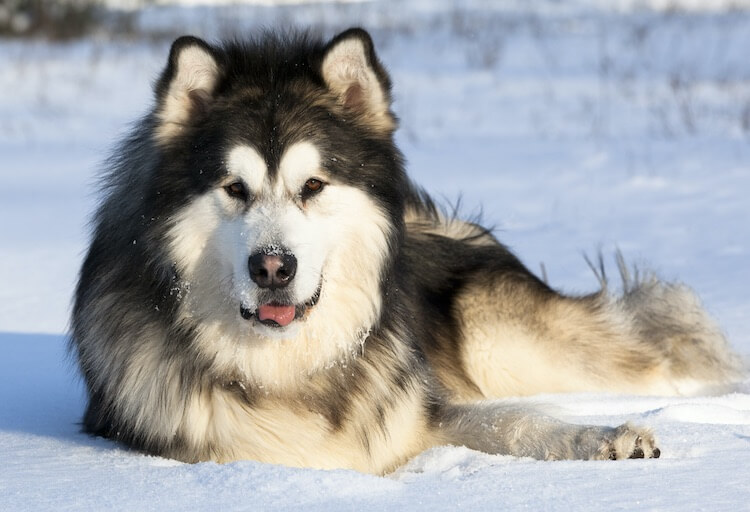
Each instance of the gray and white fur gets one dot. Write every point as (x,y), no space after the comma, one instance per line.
(264,282)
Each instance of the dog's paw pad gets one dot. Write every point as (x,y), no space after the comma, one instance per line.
(631,442)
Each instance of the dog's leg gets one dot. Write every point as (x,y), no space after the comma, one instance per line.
(523,432)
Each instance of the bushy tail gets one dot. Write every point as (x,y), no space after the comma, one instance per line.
(671,318)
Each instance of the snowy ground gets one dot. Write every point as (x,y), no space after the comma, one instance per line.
(576,128)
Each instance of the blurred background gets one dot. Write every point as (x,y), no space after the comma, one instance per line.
(573,126)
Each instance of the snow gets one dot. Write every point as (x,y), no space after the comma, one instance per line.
(576,127)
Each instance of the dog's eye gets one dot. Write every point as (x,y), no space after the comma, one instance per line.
(312,187)
(237,190)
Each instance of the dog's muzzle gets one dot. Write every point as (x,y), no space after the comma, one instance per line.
(272,270)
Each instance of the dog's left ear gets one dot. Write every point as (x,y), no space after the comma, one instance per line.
(352,71)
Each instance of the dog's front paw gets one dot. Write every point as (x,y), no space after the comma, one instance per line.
(629,442)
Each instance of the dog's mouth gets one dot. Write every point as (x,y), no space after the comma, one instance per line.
(276,314)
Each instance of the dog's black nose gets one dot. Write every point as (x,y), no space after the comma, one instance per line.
(272,270)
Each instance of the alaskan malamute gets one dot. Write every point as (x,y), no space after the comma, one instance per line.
(264,282)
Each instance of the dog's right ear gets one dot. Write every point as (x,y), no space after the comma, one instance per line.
(187,85)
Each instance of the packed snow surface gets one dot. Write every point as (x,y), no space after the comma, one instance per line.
(576,127)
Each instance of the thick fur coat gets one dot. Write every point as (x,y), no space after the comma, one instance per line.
(264,282)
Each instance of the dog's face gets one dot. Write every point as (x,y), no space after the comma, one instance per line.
(284,233)
(271,245)
(297,185)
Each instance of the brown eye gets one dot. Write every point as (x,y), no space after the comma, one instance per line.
(237,190)
(312,187)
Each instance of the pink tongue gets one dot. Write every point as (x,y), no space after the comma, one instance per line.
(282,315)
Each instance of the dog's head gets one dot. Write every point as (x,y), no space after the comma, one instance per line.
(296,186)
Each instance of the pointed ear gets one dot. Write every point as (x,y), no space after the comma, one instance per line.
(351,70)
(186,86)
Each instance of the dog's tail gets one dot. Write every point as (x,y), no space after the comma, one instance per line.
(670,317)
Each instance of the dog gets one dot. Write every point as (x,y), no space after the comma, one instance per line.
(264,282)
